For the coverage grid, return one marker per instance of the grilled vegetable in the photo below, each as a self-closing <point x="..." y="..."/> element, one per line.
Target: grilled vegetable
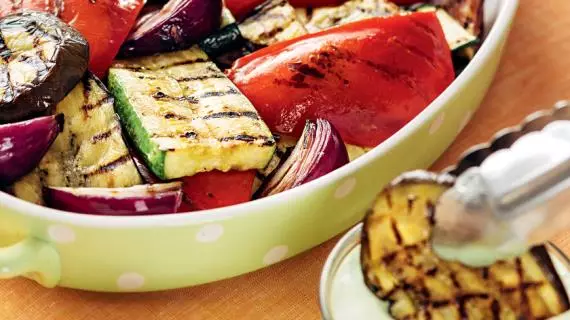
<point x="400" y="267"/>
<point x="324" y="18"/>
<point x="105" y="24"/>
<point x="137" y="200"/>
<point x="272" y="22"/>
<point x="457" y="37"/>
<point x="216" y="189"/>
<point x="178" y="25"/>
<point x="23" y="144"/>
<point x="240" y="9"/>
<point x="342" y="75"/>
<point x="186" y="117"/>
<point x="41" y="60"/>
<point x="469" y="13"/>
<point x="319" y="151"/>
<point x="90" y="152"/>
<point x="315" y="3"/>
<point x="284" y="147"/>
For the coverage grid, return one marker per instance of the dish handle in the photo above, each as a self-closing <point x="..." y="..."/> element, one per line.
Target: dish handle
<point x="31" y="258"/>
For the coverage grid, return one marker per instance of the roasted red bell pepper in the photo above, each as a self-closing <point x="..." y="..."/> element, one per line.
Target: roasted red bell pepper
<point x="216" y="189"/>
<point x="104" y="23"/>
<point x="406" y="2"/>
<point x="369" y="78"/>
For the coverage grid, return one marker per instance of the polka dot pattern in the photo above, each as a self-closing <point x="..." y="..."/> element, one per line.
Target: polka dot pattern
<point x="210" y="233"/>
<point x="275" y="255"/>
<point x="437" y="123"/>
<point x="345" y="188"/>
<point x="130" y="281"/>
<point x="61" y="234"/>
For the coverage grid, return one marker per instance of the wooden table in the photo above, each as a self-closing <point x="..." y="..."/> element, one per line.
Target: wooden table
<point x="534" y="74"/>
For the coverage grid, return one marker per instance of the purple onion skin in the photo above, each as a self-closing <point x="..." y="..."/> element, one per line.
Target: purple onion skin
<point x="334" y="155"/>
<point x="147" y="175"/>
<point x="23" y="145"/>
<point x="174" y="28"/>
<point x="107" y="205"/>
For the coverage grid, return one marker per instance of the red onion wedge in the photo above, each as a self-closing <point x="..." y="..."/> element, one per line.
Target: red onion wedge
<point x="138" y="200"/>
<point x="319" y="151"/>
<point x="177" y="25"/>
<point x="23" y="144"/>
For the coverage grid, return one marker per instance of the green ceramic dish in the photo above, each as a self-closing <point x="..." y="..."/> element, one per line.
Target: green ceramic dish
<point x="164" y="252"/>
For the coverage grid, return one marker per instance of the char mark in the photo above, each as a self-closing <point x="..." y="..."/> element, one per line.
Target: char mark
<point x="87" y="107"/>
<point x="164" y="97"/>
<point x="232" y="114"/>
<point x="104" y="135"/>
<point x="139" y="68"/>
<point x="230" y="91"/>
<point x="267" y="141"/>
<point x="266" y="6"/>
<point x="108" y="167"/>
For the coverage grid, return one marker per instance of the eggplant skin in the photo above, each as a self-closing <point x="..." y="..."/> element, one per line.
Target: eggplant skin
<point x="41" y="60"/>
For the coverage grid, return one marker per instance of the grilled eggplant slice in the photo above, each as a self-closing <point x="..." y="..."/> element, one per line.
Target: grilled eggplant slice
<point x="185" y="116"/>
<point x="90" y="152"/>
<point x="41" y="60"/>
<point x="272" y="22"/>
<point x="400" y="267"/>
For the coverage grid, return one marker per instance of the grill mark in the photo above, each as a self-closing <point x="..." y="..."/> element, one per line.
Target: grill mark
<point x="87" y="107"/>
<point x="396" y="232"/>
<point x="424" y="28"/>
<point x="201" y="78"/>
<point x="524" y="298"/>
<point x="179" y="63"/>
<point x="389" y="199"/>
<point x="430" y="207"/>
<point x="109" y="166"/>
<point x="267" y="141"/>
<point x="231" y="91"/>
<point x="104" y="135"/>
<point x="411" y="200"/>
<point x="496" y="309"/>
<point x="172" y="115"/>
<point x="232" y="114"/>
<point x="159" y="95"/>
<point x="485" y="273"/>
<point x="415" y="51"/>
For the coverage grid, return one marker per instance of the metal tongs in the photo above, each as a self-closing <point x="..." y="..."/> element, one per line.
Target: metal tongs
<point x="517" y="198"/>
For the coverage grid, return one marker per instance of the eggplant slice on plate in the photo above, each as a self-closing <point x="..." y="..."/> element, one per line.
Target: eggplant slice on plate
<point x="400" y="267"/>
<point x="41" y="60"/>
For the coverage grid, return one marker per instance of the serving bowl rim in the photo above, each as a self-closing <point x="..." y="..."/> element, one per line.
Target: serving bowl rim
<point x="501" y="23"/>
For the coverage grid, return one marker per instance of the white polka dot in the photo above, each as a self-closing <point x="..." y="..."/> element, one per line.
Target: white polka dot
<point x="5" y="270"/>
<point x="130" y="281"/>
<point x="275" y="255"/>
<point x="61" y="234"/>
<point x="345" y="188"/>
<point x="437" y="123"/>
<point x="466" y="120"/>
<point x="210" y="233"/>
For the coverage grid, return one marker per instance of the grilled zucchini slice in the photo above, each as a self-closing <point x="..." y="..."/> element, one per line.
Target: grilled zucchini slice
<point x="272" y="22"/>
<point x="354" y="10"/>
<point x="400" y="267"/>
<point x="41" y="60"/>
<point x="90" y="152"/>
<point x="185" y="116"/>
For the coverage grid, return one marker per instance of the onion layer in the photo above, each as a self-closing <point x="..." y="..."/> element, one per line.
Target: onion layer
<point x="23" y="145"/>
<point x="319" y="151"/>
<point x="137" y="200"/>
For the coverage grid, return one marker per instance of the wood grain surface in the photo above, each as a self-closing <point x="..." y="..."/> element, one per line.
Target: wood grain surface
<point x="534" y="74"/>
